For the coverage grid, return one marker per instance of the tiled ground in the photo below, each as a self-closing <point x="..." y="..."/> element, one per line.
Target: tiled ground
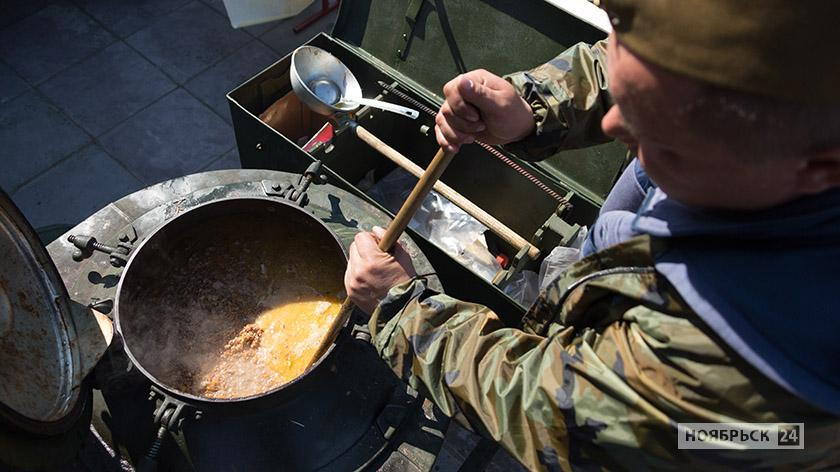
<point x="99" y="98"/>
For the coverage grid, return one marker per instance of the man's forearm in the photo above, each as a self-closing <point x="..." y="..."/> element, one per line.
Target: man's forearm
<point x="568" y="96"/>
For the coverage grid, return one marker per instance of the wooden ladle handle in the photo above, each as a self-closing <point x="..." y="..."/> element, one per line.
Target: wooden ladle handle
<point x="392" y="234"/>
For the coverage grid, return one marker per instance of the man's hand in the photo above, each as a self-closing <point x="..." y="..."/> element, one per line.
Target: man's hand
<point x="371" y="272"/>
<point x="484" y="107"/>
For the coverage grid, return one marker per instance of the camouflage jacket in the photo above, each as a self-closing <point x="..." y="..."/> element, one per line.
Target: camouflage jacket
<point x="609" y="359"/>
<point x="568" y="96"/>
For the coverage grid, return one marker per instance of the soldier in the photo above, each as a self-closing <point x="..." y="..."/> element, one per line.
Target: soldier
<point x="712" y="297"/>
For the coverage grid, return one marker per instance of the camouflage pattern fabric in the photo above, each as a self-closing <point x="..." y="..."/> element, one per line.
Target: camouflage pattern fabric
<point x="609" y="361"/>
<point x="568" y="96"/>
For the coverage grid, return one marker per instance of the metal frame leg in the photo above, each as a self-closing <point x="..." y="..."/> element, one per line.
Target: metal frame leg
<point x="326" y="9"/>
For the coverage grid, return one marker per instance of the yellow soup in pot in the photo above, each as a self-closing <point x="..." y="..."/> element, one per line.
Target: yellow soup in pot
<point x="275" y="349"/>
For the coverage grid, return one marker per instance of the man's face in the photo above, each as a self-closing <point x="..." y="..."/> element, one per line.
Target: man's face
<point x="650" y="116"/>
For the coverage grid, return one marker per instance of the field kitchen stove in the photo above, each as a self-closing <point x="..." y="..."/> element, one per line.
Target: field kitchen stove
<point x="348" y="413"/>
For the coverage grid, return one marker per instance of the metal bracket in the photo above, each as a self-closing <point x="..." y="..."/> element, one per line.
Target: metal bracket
<point x="518" y="263"/>
<point x="297" y="193"/>
<point x="171" y="413"/>
<point x="361" y="332"/>
<point x="343" y="121"/>
<point x="399" y="406"/>
<point x="104" y="306"/>
<point x="556" y="231"/>
<point x="118" y="256"/>
<point x="169" y="417"/>
<point x="412" y="16"/>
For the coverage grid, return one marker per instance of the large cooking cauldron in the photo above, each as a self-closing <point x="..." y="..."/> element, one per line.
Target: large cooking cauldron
<point x="193" y="284"/>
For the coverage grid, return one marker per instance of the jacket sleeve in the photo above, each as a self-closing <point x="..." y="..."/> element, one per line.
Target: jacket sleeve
<point x="538" y="396"/>
<point x="568" y="96"/>
<point x="603" y="386"/>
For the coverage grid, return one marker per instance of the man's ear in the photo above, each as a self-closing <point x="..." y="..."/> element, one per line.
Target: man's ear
<point x="819" y="172"/>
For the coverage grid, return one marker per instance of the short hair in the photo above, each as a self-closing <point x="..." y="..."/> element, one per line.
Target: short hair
<point x="762" y="127"/>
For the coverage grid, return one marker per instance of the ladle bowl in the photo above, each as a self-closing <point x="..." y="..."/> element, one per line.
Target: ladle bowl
<point x="327" y="86"/>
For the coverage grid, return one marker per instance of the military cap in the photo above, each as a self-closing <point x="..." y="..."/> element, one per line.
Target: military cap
<point x="779" y="48"/>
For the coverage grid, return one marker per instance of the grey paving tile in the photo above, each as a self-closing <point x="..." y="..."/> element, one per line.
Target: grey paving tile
<point x="229" y="161"/>
<point x="283" y="39"/>
<point x="217" y="5"/>
<point x="34" y="136"/>
<point x="52" y="39"/>
<point x="261" y="29"/>
<point x="175" y="136"/>
<point x="107" y="88"/>
<point x="75" y="188"/>
<point x="14" y="10"/>
<point x="11" y="84"/>
<point x="125" y="17"/>
<point x="212" y="84"/>
<point x="188" y="40"/>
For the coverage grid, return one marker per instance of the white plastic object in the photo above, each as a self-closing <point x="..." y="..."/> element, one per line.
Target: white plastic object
<point x="254" y="12"/>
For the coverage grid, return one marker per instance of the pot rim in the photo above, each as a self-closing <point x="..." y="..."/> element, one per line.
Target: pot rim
<point x="191" y="398"/>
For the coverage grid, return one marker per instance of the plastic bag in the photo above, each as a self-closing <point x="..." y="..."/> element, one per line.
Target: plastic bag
<point x="524" y="287"/>
<point x="440" y="221"/>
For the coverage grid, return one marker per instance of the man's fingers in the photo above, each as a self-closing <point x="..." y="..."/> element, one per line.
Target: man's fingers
<point x="454" y="99"/>
<point x="464" y="110"/>
<point x="398" y="251"/>
<point x="367" y="246"/>
<point x="353" y="256"/>
<point x="352" y="260"/>
<point x="450" y="147"/>
<point x="453" y="135"/>
<point x="450" y="135"/>
<point x="477" y="93"/>
<point x="459" y="124"/>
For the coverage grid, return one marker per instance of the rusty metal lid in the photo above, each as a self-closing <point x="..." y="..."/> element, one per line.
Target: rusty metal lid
<point x="40" y="361"/>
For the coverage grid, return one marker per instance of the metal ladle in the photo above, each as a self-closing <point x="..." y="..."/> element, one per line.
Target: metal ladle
<point x="325" y="85"/>
<point x="329" y="93"/>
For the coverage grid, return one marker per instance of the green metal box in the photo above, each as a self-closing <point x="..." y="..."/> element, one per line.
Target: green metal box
<point x="417" y="46"/>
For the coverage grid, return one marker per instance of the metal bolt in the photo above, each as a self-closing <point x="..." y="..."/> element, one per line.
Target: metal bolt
<point x="259" y="146"/>
<point x="405" y="37"/>
<point x="399" y="52"/>
<point x="424" y="130"/>
<point x="84" y="242"/>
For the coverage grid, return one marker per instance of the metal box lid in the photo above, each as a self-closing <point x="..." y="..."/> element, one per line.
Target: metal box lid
<point x="426" y="43"/>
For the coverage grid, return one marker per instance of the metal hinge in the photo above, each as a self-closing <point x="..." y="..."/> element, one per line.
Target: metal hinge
<point x="296" y="193"/>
